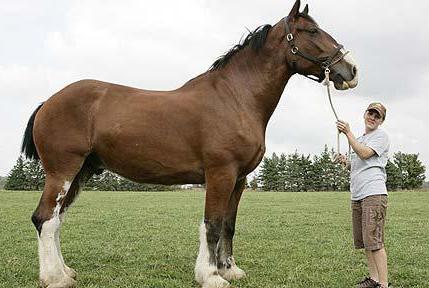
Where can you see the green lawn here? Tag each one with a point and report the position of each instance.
(126, 239)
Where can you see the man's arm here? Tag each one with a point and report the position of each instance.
(364, 152)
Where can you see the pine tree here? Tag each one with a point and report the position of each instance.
(306, 173)
(35, 175)
(109, 181)
(17, 178)
(293, 182)
(324, 172)
(295, 172)
(340, 175)
(253, 184)
(282, 176)
(330, 176)
(2, 182)
(269, 176)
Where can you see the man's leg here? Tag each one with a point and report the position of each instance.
(380, 259)
(373, 215)
(372, 266)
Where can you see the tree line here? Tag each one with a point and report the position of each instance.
(29, 175)
(286, 172)
(299, 172)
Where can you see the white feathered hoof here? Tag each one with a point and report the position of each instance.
(66, 282)
(70, 272)
(233, 273)
(215, 281)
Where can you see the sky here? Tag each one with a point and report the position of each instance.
(159, 45)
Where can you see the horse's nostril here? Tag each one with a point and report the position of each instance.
(354, 71)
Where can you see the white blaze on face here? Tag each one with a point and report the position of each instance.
(351, 61)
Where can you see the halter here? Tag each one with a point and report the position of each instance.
(323, 62)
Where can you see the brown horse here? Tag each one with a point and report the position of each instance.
(211, 130)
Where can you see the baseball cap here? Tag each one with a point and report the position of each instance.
(377, 106)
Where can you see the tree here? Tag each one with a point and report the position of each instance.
(17, 178)
(282, 173)
(253, 184)
(2, 182)
(269, 177)
(307, 173)
(106, 181)
(323, 170)
(329, 176)
(411, 169)
(298, 170)
(29, 175)
(35, 175)
(394, 176)
(109, 181)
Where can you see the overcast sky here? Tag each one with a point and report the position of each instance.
(161, 44)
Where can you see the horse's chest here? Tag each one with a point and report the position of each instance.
(253, 158)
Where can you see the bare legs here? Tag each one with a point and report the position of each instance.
(377, 265)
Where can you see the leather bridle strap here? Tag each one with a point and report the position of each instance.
(323, 62)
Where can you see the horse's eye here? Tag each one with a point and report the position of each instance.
(313, 30)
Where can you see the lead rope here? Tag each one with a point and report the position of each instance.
(326, 82)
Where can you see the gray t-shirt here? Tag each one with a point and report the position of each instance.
(368, 177)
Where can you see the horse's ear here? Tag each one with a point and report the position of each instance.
(295, 9)
(305, 12)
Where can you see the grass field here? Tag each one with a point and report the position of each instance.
(125, 239)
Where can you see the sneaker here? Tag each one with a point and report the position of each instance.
(368, 283)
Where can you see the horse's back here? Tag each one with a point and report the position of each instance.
(148, 136)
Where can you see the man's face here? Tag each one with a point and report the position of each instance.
(372, 120)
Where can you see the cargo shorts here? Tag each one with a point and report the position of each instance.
(368, 217)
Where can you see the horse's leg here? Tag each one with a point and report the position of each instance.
(74, 190)
(76, 187)
(219, 186)
(226, 263)
(47, 218)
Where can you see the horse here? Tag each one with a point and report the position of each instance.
(211, 130)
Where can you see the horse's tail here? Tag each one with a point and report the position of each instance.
(28, 147)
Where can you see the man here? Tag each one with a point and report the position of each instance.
(368, 191)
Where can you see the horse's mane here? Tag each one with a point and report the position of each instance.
(256, 39)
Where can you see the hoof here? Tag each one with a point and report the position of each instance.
(70, 272)
(233, 273)
(216, 281)
(66, 282)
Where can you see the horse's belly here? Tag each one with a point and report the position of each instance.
(157, 173)
(184, 177)
(155, 166)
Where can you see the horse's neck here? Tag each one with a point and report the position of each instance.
(257, 83)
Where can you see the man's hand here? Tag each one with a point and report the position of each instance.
(340, 158)
(343, 126)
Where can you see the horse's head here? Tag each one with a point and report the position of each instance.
(312, 51)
